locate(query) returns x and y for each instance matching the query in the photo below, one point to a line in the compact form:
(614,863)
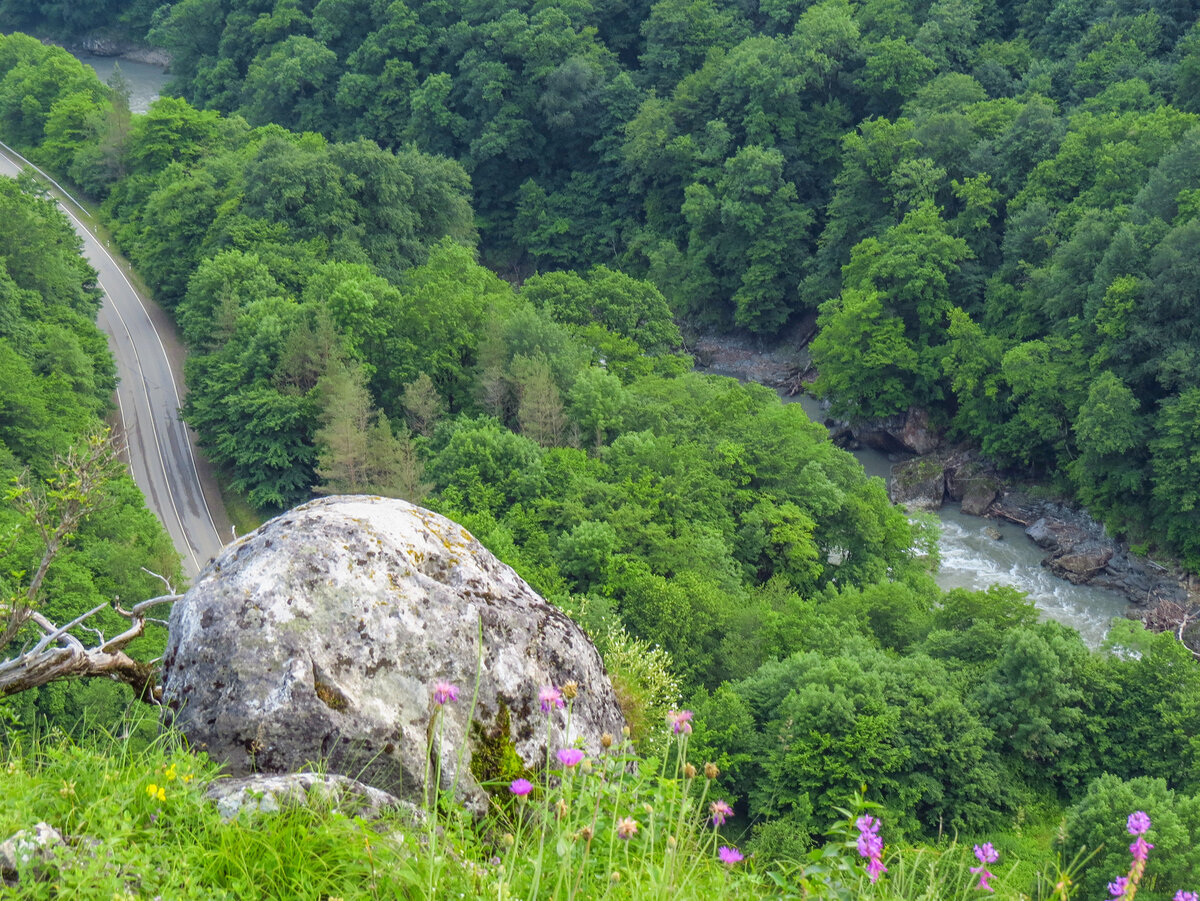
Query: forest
(991,207)
(455,251)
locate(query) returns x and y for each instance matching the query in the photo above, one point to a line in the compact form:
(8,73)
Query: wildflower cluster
(870,845)
(985,854)
(1125,887)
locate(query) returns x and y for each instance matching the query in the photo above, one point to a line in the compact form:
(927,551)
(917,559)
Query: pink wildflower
(729,856)
(445,691)
(626,828)
(1117,887)
(721,811)
(680,721)
(550,698)
(870,845)
(1181,895)
(521,787)
(1138,823)
(568,757)
(985,854)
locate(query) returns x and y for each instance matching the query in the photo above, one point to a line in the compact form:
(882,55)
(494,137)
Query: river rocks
(973,483)
(918,484)
(321,635)
(905,432)
(923,483)
(107,45)
(1081,552)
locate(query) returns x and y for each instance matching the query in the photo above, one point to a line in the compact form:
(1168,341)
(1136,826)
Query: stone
(907,432)
(918,484)
(1082,563)
(916,434)
(270,794)
(319,637)
(25,853)
(979,497)
(993,533)
(972,483)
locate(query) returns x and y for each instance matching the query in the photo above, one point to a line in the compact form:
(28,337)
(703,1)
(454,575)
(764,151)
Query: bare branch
(161,578)
(43,663)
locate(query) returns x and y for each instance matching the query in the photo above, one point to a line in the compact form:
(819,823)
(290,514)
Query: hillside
(989,210)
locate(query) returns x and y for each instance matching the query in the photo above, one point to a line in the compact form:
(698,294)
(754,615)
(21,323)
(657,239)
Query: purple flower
(720,812)
(875,869)
(729,856)
(680,721)
(1117,887)
(870,845)
(1181,895)
(985,853)
(1140,849)
(1138,823)
(445,691)
(550,698)
(568,757)
(521,787)
(866,824)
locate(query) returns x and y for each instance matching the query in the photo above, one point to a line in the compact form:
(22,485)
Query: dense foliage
(344,337)
(992,206)
(58,378)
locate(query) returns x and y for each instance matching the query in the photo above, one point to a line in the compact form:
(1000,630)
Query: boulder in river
(1078,549)
(320,637)
(918,484)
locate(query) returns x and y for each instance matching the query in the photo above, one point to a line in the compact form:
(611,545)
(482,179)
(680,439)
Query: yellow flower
(187,777)
(156,791)
(170,773)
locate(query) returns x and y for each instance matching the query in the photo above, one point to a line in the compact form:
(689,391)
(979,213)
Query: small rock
(28,850)
(993,533)
(270,794)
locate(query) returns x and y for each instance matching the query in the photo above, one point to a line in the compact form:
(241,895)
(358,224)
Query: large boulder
(319,638)
(918,484)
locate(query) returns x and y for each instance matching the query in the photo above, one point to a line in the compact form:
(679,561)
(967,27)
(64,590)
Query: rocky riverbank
(927,474)
(109,44)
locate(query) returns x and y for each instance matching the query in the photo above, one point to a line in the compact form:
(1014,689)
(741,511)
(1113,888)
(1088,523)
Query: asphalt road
(162,455)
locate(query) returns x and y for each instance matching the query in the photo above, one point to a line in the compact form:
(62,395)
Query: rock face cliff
(320,637)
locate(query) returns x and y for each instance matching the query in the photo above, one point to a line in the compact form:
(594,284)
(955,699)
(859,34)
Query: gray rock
(972,483)
(26,851)
(270,794)
(1082,563)
(918,484)
(904,432)
(916,434)
(320,636)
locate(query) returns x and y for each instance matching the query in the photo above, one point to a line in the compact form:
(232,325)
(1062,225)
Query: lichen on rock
(318,638)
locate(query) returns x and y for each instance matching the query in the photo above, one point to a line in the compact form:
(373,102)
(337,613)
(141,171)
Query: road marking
(141,372)
(65,192)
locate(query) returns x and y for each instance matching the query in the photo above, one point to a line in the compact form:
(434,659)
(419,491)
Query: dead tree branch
(60,655)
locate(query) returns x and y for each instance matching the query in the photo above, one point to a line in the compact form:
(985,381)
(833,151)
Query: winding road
(161,449)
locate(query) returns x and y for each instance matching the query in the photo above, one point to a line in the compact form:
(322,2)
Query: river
(145,81)
(971,558)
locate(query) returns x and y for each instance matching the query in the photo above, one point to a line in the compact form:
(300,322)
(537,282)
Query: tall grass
(614,825)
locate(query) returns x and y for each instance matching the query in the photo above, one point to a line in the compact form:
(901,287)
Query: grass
(613,826)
